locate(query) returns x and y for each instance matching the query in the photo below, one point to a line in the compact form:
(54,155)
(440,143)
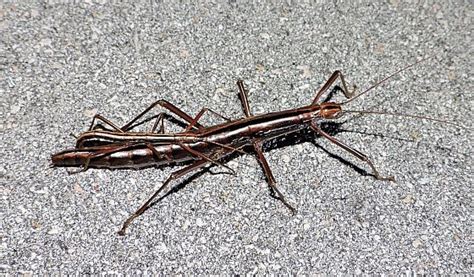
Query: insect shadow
(304,135)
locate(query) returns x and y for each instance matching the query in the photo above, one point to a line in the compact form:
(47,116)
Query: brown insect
(117,147)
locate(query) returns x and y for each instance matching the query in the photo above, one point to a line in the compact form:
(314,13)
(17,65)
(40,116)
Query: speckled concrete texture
(62,62)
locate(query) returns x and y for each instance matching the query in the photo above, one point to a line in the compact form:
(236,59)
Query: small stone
(451,75)
(206,197)
(45,42)
(220,91)
(78,189)
(22,209)
(15,109)
(39,191)
(55,230)
(424,181)
(304,87)
(161,247)
(34,13)
(394,3)
(285,158)
(305,71)
(200,222)
(184,53)
(409,199)
(35,224)
(306,224)
(379,48)
(417,243)
(90,112)
(276,266)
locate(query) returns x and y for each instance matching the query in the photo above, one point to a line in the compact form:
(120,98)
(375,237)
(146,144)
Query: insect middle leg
(257,145)
(269,175)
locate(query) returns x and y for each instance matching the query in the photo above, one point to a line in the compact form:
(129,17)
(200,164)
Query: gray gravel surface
(62,63)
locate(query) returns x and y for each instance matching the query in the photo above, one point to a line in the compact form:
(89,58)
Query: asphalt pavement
(62,62)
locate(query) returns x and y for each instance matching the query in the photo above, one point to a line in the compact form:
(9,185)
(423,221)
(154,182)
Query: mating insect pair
(119,147)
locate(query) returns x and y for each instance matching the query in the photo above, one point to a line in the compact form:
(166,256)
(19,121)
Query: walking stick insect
(120,147)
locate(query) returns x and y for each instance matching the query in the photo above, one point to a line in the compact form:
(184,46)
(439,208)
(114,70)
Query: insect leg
(204,157)
(175,175)
(200,114)
(268,173)
(101,153)
(244,98)
(361,156)
(330,81)
(167,105)
(159,119)
(106,121)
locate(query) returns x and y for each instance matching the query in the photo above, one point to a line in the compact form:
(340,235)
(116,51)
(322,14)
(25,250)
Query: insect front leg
(337,74)
(361,156)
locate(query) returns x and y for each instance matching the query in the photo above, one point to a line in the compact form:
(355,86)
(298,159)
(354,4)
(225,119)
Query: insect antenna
(407,115)
(384,80)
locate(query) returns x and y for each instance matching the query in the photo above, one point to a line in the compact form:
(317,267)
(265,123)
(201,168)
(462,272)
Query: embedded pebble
(54,230)
(417,243)
(200,222)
